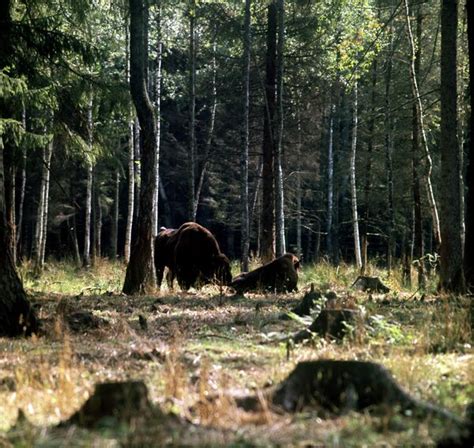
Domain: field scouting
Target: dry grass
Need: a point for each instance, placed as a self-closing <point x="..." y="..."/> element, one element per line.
<point x="200" y="350"/>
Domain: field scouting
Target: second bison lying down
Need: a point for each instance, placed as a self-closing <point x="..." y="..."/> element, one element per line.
<point x="192" y="254"/>
<point x="280" y="275"/>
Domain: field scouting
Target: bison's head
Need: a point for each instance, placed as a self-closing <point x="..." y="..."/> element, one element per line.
<point x="222" y="269"/>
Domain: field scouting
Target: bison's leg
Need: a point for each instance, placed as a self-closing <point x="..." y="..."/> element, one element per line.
<point x="187" y="277"/>
<point x="169" y="278"/>
<point x="159" y="274"/>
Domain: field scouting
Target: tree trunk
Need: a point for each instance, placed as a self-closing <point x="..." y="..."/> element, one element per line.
<point x="267" y="244"/>
<point x="131" y="165"/>
<point x="330" y="204"/>
<point x="47" y="174"/>
<point x="419" y="111"/>
<point x="469" y="204"/>
<point x="137" y="166"/>
<point x="451" y="261"/>
<point x="16" y="315"/>
<point x="139" y="276"/>
<point x="244" y="158"/>
<point x="388" y="143"/>
<point x="98" y="224"/>
<point x="115" y="218"/>
<point x="192" y="111"/>
<point x="368" y="173"/>
<point x="280" y="246"/>
<point x="42" y="210"/>
<point x="131" y="195"/>
<point x="158" y="76"/>
<point x="9" y="173"/>
<point x="19" y="224"/>
<point x="418" y="238"/>
<point x="355" y="216"/>
<point x="210" y="136"/>
<point x="86" y="256"/>
<point x="299" y="248"/>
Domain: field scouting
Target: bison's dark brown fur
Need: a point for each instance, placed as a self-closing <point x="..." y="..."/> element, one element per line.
<point x="280" y="275"/>
<point x="192" y="254"/>
<point x="165" y="243"/>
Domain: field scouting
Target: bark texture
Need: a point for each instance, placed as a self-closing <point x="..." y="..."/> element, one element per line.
<point x="451" y="268"/>
<point x="469" y="204"/>
<point x="267" y="244"/>
<point x="244" y="158"/>
<point x="137" y="277"/>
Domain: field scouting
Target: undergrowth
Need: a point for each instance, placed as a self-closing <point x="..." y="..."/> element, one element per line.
<point x="202" y="348"/>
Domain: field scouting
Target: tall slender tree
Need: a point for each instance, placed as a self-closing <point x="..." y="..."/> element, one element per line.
<point x="354" y="206"/>
<point x="469" y="204"/>
<point x="267" y="244"/>
<point x="424" y="141"/>
<point x="451" y="263"/>
<point x="139" y="275"/>
<point x="418" y="238"/>
<point x="192" y="110"/>
<point x="244" y="158"/>
<point x="280" y="246"/>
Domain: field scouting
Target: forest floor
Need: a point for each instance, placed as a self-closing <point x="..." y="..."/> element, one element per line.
<point x="203" y="343"/>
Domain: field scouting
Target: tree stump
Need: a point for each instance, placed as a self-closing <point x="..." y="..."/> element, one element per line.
<point x="370" y="284"/>
<point x="307" y="303"/>
<point x="336" y="387"/>
<point x="120" y="401"/>
<point x="332" y="323"/>
<point x="79" y="321"/>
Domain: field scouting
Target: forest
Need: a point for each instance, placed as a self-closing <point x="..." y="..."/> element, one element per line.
<point x="236" y="223"/>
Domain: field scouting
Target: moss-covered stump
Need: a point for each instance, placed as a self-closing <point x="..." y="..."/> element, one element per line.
<point x="122" y="402"/>
<point x="333" y="323"/>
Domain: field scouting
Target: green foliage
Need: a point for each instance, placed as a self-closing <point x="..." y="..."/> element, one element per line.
<point x="393" y="333"/>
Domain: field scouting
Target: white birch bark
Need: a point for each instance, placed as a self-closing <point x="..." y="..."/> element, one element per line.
<point x="330" y="205"/>
<point x="158" y="121"/>
<point x="355" y="216"/>
<point x="280" y="244"/>
<point x="424" y="141"/>
<point x="115" y="217"/>
<point x="19" y="224"/>
<point x="131" y="167"/>
<point x="298" y="191"/>
<point x="47" y="175"/>
<point x="86" y="260"/>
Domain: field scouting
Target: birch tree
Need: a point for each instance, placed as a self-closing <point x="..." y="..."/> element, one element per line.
<point x="280" y="246"/>
<point x="355" y="215"/>
<point x="86" y="255"/>
<point x="424" y="142"/>
<point x="158" y="76"/>
<point x="131" y="162"/>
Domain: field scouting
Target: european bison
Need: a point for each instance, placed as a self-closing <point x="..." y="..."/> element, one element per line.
<point x="280" y="275"/>
<point x="192" y="254"/>
<point x="198" y="258"/>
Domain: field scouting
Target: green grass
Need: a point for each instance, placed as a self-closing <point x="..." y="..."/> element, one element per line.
<point x="199" y="345"/>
